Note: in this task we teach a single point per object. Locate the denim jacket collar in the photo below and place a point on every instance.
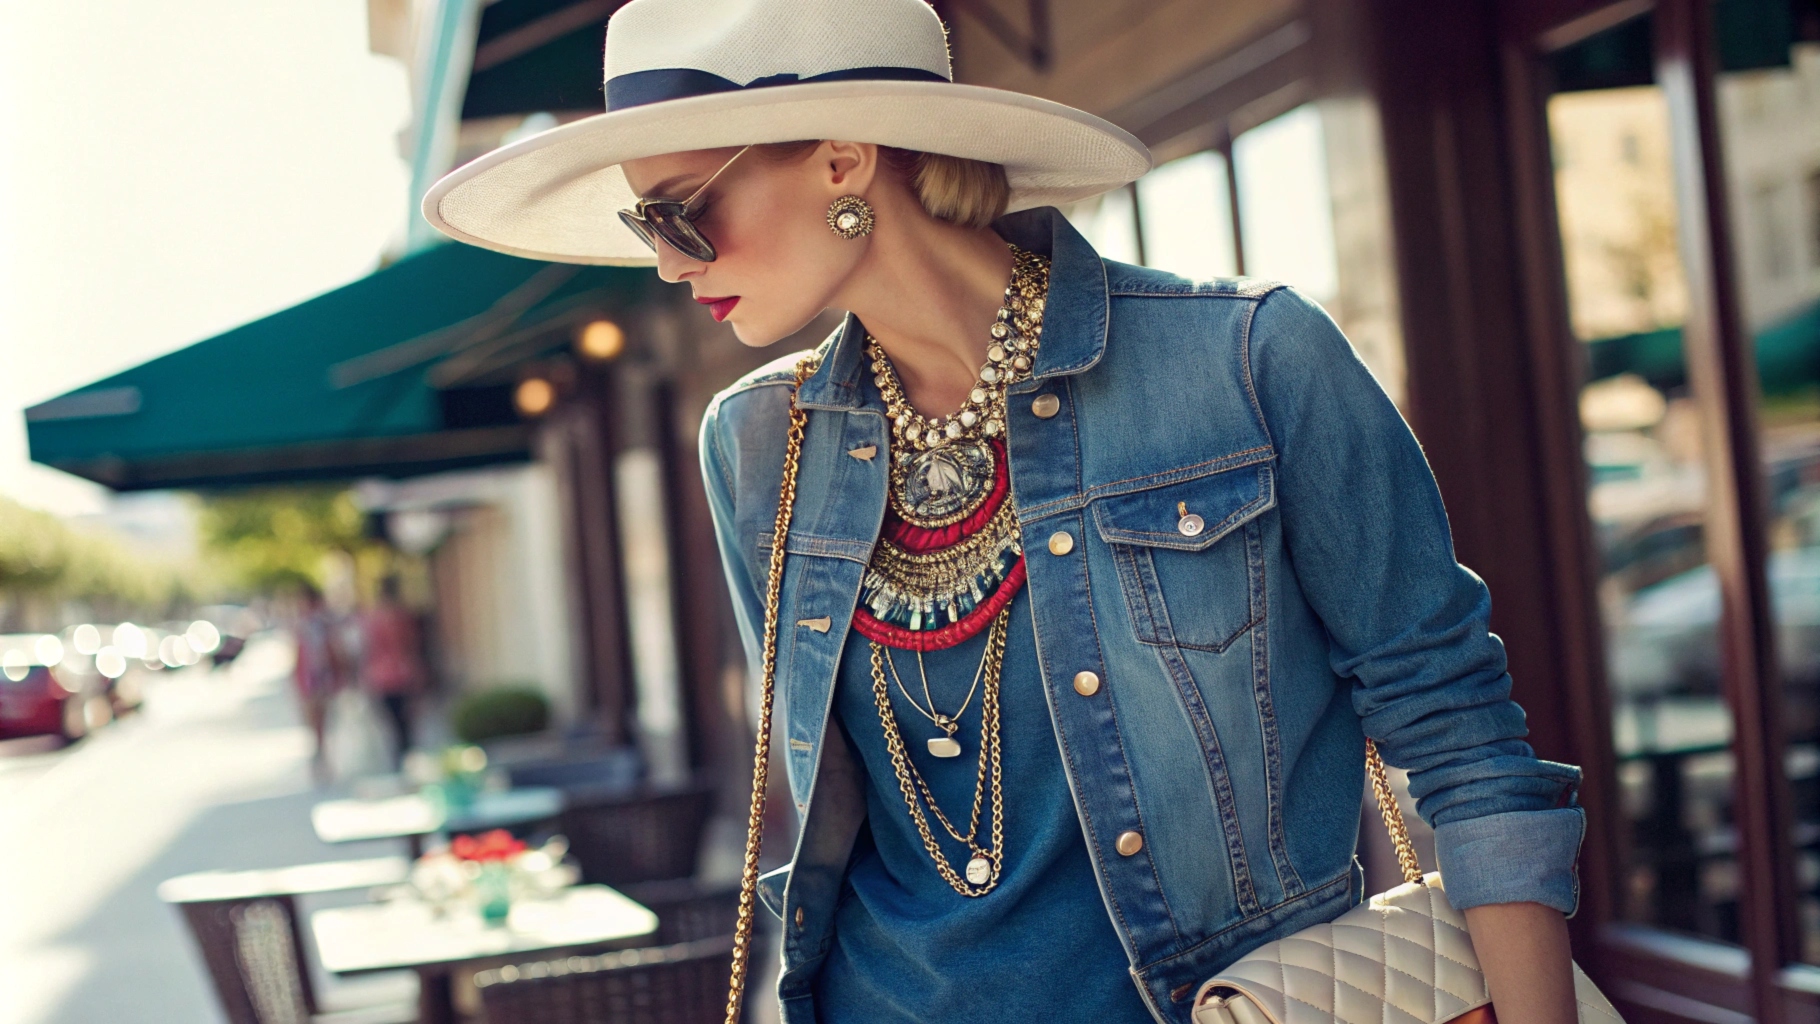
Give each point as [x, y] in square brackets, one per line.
[1074, 320]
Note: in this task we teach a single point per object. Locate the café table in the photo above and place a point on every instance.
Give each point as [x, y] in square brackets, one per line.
[412, 934]
[413, 815]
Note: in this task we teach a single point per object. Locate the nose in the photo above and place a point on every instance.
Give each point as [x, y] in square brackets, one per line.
[673, 266]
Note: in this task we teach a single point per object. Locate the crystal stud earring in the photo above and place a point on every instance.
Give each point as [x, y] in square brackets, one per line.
[850, 217]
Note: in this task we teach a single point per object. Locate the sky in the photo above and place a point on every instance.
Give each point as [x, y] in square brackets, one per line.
[170, 170]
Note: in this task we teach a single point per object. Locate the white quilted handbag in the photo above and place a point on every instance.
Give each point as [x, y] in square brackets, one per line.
[1403, 957]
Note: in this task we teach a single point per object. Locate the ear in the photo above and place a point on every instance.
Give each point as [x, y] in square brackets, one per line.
[848, 167]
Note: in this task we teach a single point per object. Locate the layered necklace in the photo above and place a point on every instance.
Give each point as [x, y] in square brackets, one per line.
[947, 565]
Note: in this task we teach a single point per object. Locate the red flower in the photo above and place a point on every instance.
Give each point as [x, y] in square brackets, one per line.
[497, 845]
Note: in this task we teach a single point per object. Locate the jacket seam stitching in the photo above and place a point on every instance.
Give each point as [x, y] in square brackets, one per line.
[1139, 293]
[1220, 648]
[1182, 475]
[1245, 367]
[1269, 728]
[1219, 778]
[1307, 894]
[1118, 737]
[728, 487]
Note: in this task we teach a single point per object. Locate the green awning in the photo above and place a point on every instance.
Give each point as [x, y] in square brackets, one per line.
[407, 371]
[538, 55]
[1787, 352]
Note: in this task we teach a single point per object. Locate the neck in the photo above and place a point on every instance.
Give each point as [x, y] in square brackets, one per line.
[929, 291]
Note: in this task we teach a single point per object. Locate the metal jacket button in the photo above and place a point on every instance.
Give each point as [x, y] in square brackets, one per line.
[1191, 525]
[1086, 683]
[1060, 542]
[1045, 406]
[1129, 843]
[800, 915]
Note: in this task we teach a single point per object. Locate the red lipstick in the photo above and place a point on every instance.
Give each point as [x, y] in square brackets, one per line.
[719, 308]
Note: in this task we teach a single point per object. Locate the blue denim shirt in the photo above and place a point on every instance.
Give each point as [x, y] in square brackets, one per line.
[1243, 665]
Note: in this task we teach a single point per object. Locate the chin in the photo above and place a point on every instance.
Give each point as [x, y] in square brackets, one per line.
[749, 337]
[755, 334]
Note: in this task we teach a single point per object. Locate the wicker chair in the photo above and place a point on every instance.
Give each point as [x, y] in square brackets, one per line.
[679, 984]
[687, 911]
[623, 838]
[247, 928]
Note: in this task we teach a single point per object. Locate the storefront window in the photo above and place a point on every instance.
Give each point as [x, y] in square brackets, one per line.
[1769, 120]
[1647, 487]
[1285, 209]
[1185, 217]
[1291, 216]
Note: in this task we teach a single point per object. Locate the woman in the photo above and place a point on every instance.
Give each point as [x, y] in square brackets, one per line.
[1097, 578]
[391, 660]
[318, 671]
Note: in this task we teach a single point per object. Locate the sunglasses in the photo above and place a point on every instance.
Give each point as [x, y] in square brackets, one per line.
[673, 220]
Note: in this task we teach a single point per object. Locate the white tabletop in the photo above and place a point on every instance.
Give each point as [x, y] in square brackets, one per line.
[408, 933]
[294, 880]
[346, 821]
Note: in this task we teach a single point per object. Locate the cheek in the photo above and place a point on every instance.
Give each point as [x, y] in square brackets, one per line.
[785, 264]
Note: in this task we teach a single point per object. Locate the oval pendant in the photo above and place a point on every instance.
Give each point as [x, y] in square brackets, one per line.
[945, 746]
[946, 484]
[979, 871]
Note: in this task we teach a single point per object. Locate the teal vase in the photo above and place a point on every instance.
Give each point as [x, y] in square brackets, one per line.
[494, 891]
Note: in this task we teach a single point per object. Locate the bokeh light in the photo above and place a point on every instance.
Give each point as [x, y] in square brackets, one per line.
[130, 640]
[86, 638]
[203, 637]
[601, 341]
[110, 662]
[534, 396]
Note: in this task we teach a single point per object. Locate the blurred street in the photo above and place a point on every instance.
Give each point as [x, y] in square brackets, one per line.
[213, 772]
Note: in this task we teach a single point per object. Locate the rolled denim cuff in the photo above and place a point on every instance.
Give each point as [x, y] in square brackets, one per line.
[1515, 857]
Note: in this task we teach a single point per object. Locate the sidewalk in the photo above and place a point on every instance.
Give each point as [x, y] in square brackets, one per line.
[212, 773]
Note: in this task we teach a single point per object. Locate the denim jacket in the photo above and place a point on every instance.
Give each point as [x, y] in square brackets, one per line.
[1242, 663]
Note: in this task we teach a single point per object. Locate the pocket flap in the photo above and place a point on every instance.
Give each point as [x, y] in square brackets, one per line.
[1153, 516]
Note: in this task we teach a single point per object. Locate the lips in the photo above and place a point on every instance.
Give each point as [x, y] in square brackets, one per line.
[719, 308]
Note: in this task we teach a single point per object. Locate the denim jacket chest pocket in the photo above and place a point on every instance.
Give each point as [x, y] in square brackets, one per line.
[1190, 555]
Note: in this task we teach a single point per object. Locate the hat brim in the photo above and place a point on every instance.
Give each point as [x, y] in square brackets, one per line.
[556, 195]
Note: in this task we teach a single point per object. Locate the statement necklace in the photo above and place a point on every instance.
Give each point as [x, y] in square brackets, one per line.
[1009, 357]
[948, 563]
[949, 558]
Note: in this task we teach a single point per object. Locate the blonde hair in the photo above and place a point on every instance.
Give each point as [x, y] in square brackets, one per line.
[970, 193]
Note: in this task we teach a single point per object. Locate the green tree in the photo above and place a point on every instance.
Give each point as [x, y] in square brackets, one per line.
[44, 562]
[273, 538]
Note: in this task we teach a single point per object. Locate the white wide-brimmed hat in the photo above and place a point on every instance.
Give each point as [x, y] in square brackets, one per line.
[700, 74]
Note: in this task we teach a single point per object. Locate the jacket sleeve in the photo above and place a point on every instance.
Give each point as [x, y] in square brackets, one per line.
[1368, 539]
[716, 471]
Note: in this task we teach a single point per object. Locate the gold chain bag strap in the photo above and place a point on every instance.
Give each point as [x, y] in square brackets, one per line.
[1406, 950]
[761, 757]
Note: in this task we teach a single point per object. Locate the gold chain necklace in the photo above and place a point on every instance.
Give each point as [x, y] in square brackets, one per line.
[984, 866]
[944, 745]
[1016, 334]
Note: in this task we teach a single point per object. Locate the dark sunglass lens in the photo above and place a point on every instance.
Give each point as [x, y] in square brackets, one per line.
[674, 227]
[639, 228]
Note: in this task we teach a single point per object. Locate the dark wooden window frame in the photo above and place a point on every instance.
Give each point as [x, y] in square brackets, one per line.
[1655, 975]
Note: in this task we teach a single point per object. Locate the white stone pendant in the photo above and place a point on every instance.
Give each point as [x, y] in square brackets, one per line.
[945, 746]
[979, 871]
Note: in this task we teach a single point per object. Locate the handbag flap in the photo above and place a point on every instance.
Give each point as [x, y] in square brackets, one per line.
[1403, 957]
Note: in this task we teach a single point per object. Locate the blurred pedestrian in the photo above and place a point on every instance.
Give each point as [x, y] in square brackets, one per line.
[391, 665]
[319, 671]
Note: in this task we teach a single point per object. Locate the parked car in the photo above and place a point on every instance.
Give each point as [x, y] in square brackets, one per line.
[34, 700]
